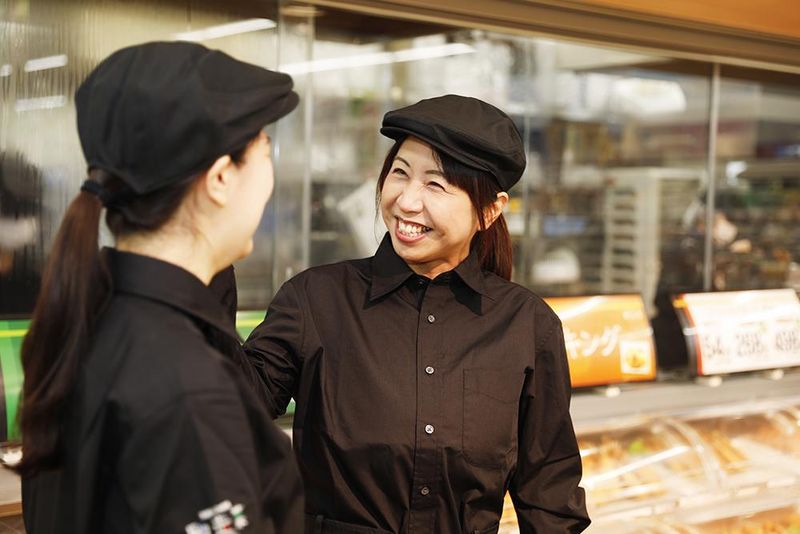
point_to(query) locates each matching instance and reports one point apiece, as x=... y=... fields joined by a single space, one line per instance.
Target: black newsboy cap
x=469 y=130
x=155 y=113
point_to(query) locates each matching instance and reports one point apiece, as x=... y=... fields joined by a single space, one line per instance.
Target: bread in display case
x=641 y=468
x=647 y=465
x=754 y=449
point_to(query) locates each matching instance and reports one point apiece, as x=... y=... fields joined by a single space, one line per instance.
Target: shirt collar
x=169 y=284
x=390 y=271
x=471 y=274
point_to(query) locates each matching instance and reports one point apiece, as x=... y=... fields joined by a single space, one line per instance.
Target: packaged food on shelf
x=645 y=465
x=756 y=449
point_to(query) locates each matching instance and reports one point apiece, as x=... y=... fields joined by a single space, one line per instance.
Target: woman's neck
x=187 y=253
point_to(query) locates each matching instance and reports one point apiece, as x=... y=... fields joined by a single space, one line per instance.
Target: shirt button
x=429 y=429
x=431 y=318
x=429 y=370
x=425 y=490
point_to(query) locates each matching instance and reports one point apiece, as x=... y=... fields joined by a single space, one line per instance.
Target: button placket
x=427 y=456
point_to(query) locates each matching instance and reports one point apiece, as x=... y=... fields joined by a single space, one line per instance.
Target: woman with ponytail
x=134 y=415
x=427 y=384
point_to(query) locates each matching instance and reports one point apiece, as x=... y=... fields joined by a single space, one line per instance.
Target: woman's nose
x=410 y=199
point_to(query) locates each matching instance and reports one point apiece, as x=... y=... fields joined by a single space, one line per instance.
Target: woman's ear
x=493 y=211
x=217 y=180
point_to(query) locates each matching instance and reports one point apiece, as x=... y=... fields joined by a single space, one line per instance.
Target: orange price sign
x=608 y=337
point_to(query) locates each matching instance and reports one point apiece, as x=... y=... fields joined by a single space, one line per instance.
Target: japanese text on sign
x=608 y=339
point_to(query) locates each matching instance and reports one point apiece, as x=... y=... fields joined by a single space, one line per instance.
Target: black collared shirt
x=420 y=403
x=163 y=435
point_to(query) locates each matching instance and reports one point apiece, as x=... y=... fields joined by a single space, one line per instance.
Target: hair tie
x=97 y=189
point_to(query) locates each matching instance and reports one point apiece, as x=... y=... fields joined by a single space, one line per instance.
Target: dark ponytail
x=494 y=248
x=493 y=244
x=74 y=285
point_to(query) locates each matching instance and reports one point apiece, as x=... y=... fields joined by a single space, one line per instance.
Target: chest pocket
x=491 y=405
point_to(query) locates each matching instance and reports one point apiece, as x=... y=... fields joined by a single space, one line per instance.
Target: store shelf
x=670 y=398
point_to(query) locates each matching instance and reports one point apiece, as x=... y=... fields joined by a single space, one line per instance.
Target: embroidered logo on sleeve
x=222 y=518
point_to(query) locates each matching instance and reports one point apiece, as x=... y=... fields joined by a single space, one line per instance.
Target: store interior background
x=648 y=172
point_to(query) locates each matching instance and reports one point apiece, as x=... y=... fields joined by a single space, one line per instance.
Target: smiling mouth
x=409 y=229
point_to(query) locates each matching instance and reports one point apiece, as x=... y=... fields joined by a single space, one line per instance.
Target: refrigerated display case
x=754 y=449
x=646 y=466
x=734 y=466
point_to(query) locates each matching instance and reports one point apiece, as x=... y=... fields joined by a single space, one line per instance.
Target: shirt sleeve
x=194 y=468
x=274 y=350
x=544 y=487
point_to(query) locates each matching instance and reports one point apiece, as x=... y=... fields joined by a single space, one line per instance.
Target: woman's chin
x=410 y=256
x=244 y=251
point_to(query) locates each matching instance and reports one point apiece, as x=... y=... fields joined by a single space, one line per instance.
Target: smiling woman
x=427 y=385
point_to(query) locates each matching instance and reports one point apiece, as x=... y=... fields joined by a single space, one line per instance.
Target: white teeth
x=410 y=229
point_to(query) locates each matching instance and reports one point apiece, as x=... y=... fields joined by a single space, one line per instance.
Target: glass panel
x=619 y=150
x=47 y=47
x=632 y=467
x=753 y=450
x=757 y=220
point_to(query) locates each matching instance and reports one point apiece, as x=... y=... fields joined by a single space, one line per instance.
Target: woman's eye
x=399 y=171
x=436 y=185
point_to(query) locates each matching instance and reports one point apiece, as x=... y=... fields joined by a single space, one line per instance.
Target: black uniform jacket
x=420 y=404
x=163 y=435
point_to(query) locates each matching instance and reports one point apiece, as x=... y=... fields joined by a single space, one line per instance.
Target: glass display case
x=733 y=466
x=754 y=450
x=649 y=466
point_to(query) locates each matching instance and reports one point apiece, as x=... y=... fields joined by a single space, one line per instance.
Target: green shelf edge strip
x=11 y=336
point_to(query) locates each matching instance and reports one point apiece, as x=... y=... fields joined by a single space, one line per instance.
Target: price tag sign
x=735 y=331
x=608 y=339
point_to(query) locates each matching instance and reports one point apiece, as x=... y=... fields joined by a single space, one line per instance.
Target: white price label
x=744 y=330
